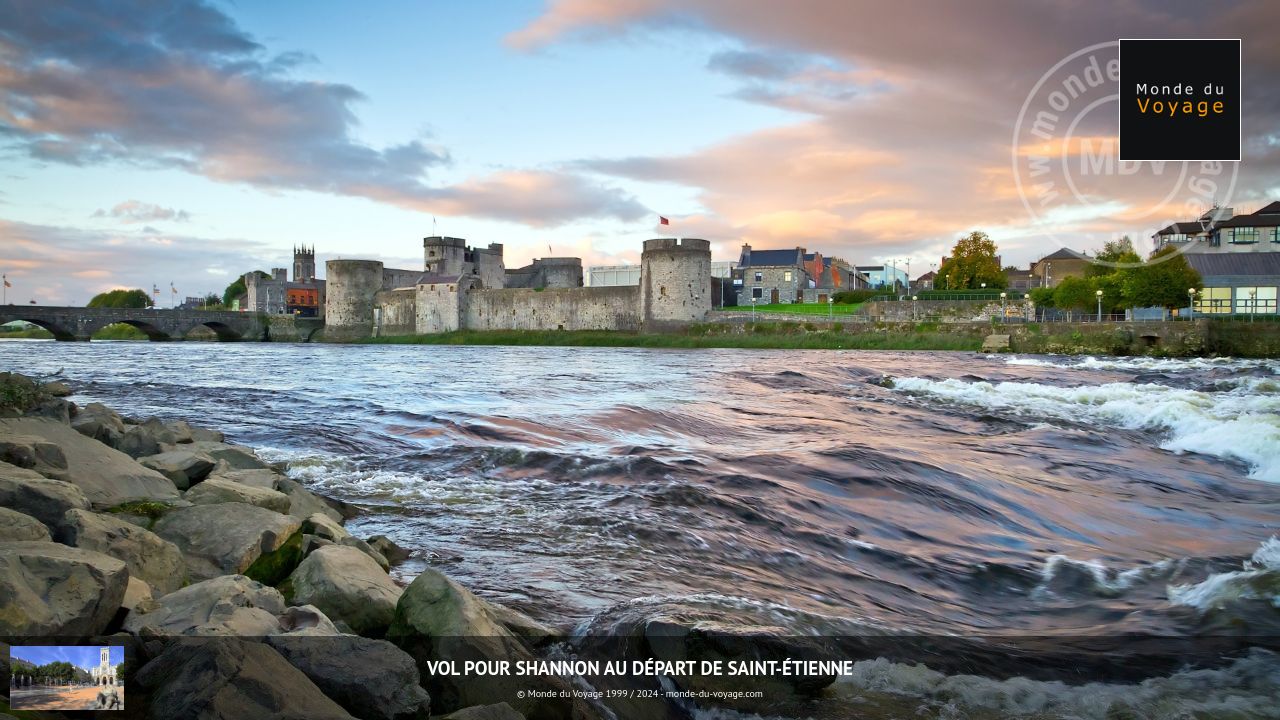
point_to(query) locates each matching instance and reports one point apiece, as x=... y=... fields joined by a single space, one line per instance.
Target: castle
x=277 y=295
x=464 y=288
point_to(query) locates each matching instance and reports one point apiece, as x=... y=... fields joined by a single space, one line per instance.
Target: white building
x=105 y=672
x=615 y=275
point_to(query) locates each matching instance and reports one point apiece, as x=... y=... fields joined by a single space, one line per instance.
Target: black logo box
x=1180 y=64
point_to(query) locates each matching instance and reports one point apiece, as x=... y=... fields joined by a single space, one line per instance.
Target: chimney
x=745 y=258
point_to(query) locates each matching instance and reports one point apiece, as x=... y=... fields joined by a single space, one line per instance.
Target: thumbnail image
x=66 y=677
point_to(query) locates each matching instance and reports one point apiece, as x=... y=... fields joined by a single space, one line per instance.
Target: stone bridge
x=80 y=323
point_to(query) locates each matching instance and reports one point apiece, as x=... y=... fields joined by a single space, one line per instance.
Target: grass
x=119 y=331
x=798 y=308
x=775 y=336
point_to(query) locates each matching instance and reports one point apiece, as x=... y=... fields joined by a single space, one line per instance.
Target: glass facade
x=1256 y=300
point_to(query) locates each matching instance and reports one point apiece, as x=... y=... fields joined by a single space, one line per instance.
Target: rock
x=389 y=549
x=34 y=453
x=218 y=678
x=995 y=343
x=217 y=490
x=307 y=621
x=16 y=526
x=225 y=605
x=107 y=477
x=311 y=543
x=237 y=458
x=135 y=593
x=534 y=632
x=136 y=442
x=438 y=619
x=364 y=547
x=57 y=388
x=348 y=586
x=54 y=590
x=56 y=409
x=181 y=431
x=501 y=711
x=232 y=537
x=303 y=503
x=265 y=479
x=149 y=557
x=183 y=468
x=159 y=431
x=31 y=493
x=199 y=434
x=372 y=679
x=323 y=526
x=99 y=422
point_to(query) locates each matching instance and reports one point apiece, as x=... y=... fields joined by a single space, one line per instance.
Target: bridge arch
x=152 y=332
x=224 y=331
x=59 y=332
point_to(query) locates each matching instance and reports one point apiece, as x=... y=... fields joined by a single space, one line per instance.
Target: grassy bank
x=821 y=309
x=779 y=336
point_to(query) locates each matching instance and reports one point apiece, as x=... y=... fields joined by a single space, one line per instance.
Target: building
x=616 y=275
x=365 y=299
x=884 y=277
x=104 y=673
x=925 y=281
x=452 y=256
x=277 y=295
x=770 y=276
x=562 y=272
x=1049 y=270
x=1240 y=283
x=1194 y=233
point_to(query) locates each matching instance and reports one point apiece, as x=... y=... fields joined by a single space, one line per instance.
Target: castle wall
x=395 y=312
x=675 y=281
x=547 y=273
x=437 y=308
x=393 y=278
x=349 y=300
x=610 y=308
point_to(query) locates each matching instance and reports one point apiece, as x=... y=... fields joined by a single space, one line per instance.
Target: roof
x=1244 y=263
x=927 y=276
x=1258 y=219
x=429 y=279
x=1272 y=209
x=1183 y=228
x=1064 y=254
x=765 y=258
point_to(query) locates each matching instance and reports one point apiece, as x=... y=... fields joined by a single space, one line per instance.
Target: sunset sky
x=188 y=142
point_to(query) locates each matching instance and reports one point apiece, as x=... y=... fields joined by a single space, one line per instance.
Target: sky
x=149 y=144
x=85 y=657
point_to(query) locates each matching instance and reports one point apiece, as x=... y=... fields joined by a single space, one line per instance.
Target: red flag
x=663 y=221
x=7 y=283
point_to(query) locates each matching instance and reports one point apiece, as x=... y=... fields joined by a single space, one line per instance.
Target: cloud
x=180 y=85
x=909 y=113
x=136 y=211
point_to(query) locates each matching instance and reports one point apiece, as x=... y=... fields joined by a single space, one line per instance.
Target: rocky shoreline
x=235 y=590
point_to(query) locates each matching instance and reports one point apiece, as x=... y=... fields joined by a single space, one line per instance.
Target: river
x=925 y=492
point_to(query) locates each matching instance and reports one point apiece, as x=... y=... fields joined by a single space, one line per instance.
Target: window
x=1214 y=300
x=1272 y=234
x=759 y=276
x=786 y=276
x=1256 y=300
x=1244 y=235
x=757 y=293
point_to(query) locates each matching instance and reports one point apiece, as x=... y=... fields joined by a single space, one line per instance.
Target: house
x=277 y=295
x=884 y=276
x=1049 y=270
x=925 y=281
x=1196 y=233
x=1252 y=233
x=770 y=276
x=1015 y=279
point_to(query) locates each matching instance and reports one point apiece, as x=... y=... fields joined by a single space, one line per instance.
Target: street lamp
x=1004 y=311
x=831 y=307
x=1099 y=294
x=1253 y=304
x=1191 y=303
x=753 y=309
x=915 y=307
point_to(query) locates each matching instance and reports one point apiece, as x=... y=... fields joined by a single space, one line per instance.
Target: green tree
x=1162 y=281
x=237 y=288
x=1074 y=293
x=1114 y=251
x=121 y=298
x=1042 y=297
x=972 y=263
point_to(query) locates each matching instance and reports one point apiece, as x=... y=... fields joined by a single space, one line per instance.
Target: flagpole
x=5 y=299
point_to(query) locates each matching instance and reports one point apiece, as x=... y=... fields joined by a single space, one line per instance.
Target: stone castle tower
x=304 y=263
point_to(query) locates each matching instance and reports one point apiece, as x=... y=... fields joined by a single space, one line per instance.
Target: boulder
x=389 y=549
x=307 y=621
x=57 y=388
x=322 y=526
x=364 y=547
x=99 y=422
x=231 y=678
x=183 y=468
x=137 y=441
x=51 y=589
x=231 y=538
x=217 y=490
x=34 y=453
x=372 y=679
x=199 y=434
x=19 y=526
x=149 y=557
x=303 y=503
x=52 y=408
x=501 y=711
x=225 y=605
x=346 y=585
x=236 y=457
x=31 y=493
x=181 y=431
x=264 y=479
x=136 y=593
x=535 y=633
x=438 y=619
x=107 y=477
x=159 y=431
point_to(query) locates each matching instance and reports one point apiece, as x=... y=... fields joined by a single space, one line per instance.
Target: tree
x=1162 y=281
x=1114 y=251
x=972 y=263
x=1042 y=297
x=1074 y=293
x=237 y=288
x=121 y=298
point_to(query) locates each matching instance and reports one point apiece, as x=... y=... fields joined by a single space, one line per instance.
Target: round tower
x=675 y=281
x=348 y=307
